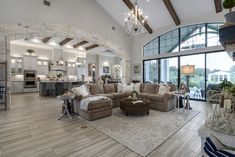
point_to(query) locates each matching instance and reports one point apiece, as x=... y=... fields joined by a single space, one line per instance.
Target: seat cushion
x=109 y=88
x=143 y=95
x=150 y=88
x=96 y=89
x=156 y=97
x=99 y=104
x=119 y=95
x=110 y=96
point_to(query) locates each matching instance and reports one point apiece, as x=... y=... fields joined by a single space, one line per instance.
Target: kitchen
x=36 y=66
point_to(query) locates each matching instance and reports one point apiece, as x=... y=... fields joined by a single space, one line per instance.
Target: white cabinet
x=30 y=62
x=16 y=65
x=71 y=70
x=17 y=87
x=42 y=67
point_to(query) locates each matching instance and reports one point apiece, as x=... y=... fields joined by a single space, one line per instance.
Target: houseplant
x=229 y=4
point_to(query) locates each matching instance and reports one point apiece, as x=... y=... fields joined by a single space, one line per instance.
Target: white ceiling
x=157 y=12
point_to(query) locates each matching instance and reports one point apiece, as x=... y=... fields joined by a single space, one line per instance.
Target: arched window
x=184 y=38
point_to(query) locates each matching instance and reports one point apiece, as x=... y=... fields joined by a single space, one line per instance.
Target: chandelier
x=134 y=22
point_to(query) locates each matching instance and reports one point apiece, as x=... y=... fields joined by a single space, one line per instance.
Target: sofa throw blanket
x=84 y=102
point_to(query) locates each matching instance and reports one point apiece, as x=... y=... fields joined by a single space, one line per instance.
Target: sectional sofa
x=148 y=93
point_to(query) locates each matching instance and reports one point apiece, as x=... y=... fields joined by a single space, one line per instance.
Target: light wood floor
x=31 y=129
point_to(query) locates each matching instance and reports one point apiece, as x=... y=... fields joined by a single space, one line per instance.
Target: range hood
x=58 y=68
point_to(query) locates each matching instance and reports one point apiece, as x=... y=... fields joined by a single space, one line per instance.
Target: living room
x=116 y=78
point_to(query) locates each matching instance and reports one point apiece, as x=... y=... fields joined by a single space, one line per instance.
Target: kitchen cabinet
x=17 y=87
x=30 y=62
x=16 y=65
x=71 y=69
x=42 y=67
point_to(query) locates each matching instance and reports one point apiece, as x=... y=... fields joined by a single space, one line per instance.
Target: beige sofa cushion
x=99 y=104
x=143 y=95
x=110 y=96
x=119 y=95
x=109 y=88
x=151 y=88
x=163 y=89
x=96 y=89
x=156 y=97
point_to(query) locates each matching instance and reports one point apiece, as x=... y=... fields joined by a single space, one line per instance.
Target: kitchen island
x=55 y=88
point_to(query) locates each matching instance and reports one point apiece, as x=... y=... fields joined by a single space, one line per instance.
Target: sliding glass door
x=197 y=79
x=169 y=70
x=151 y=71
x=220 y=66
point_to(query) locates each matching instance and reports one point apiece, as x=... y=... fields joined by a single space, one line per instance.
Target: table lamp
x=187 y=70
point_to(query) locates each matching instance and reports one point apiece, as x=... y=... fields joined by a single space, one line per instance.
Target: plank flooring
x=31 y=129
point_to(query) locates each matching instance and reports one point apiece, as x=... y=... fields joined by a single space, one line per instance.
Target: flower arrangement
x=30 y=51
x=59 y=75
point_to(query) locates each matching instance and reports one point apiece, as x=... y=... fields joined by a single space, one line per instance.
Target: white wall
x=87 y=15
x=139 y=42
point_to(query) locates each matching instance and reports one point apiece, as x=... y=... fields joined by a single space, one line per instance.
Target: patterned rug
x=142 y=133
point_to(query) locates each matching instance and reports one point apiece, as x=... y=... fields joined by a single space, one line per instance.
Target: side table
x=66 y=98
x=185 y=96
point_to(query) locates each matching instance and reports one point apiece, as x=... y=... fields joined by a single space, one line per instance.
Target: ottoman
x=97 y=109
x=134 y=106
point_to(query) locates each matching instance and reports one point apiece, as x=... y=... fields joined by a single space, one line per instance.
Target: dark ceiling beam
x=218 y=6
x=80 y=44
x=46 y=39
x=66 y=40
x=140 y=18
x=91 y=47
x=172 y=12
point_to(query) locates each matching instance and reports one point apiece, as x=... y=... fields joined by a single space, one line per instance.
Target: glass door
x=220 y=66
x=169 y=71
x=197 y=77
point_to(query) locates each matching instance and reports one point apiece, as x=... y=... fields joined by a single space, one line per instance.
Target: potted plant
x=229 y=4
x=225 y=86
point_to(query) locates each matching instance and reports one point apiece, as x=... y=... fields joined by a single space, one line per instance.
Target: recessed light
x=53 y=43
x=81 y=48
x=36 y=40
x=69 y=46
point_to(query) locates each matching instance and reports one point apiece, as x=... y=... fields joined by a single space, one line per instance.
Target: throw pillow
x=150 y=88
x=80 y=91
x=96 y=89
x=109 y=88
x=127 y=88
x=120 y=87
x=164 y=89
x=136 y=87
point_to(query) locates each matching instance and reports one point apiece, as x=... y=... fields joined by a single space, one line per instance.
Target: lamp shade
x=188 y=69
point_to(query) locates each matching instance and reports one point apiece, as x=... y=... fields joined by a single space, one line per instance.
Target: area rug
x=142 y=133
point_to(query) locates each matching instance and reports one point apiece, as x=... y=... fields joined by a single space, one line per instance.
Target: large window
x=217 y=70
x=191 y=37
x=151 y=71
x=151 y=48
x=169 y=70
x=196 y=80
x=169 y=42
x=213 y=34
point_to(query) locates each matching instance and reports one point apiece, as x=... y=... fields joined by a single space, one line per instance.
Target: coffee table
x=134 y=106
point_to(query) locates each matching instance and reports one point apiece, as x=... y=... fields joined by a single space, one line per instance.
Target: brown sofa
x=148 y=93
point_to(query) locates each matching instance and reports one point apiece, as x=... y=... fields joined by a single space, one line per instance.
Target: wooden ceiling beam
x=218 y=6
x=172 y=12
x=140 y=18
x=91 y=47
x=46 y=39
x=80 y=44
x=66 y=40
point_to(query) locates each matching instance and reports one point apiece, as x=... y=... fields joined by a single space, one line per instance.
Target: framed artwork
x=106 y=69
x=136 y=69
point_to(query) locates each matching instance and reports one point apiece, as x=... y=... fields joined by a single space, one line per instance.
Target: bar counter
x=55 y=88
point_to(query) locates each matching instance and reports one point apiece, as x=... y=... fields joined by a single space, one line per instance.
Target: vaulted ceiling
x=158 y=12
